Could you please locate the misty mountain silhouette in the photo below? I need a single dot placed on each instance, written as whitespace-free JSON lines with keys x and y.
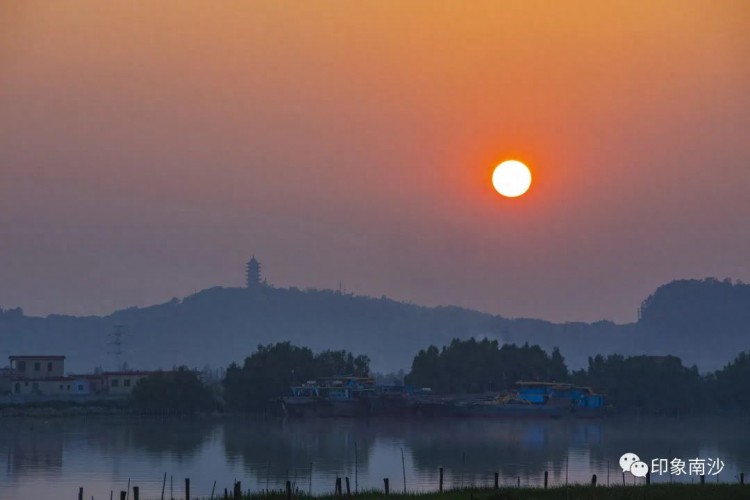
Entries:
{"x":705,"y":322}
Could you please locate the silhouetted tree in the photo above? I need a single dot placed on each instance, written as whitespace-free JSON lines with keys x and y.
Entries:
{"x":731,"y":385}
{"x":268,"y":373}
{"x":179,"y":391}
{"x":646,"y":384}
{"x":471,"y":366}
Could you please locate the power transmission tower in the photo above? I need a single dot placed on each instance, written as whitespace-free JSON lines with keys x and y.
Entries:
{"x":117,"y":342}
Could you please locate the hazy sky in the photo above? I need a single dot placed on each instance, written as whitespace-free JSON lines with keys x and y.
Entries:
{"x":149,"y":148}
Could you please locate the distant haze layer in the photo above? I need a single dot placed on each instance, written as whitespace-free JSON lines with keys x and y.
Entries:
{"x":148,"y":149}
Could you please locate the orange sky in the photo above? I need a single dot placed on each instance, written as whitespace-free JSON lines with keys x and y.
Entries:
{"x":148,"y":148}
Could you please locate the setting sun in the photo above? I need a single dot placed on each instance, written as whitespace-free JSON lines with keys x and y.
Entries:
{"x":511,"y":178}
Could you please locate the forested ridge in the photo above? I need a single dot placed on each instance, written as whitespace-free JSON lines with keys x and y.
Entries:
{"x":704,"y":322}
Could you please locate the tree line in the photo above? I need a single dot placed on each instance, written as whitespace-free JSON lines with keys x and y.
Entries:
{"x":633,"y":384}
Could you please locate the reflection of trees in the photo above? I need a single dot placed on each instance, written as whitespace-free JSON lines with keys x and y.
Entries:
{"x":278,"y":450}
{"x":472,"y":449}
{"x":649,"y":438}
{"x":669,"y":438}
{"x":32,"y":445}
{"x":113,"y":436}
{"x":179,"y":437}
{"x":38,"y":444}
{"x":732,"y":441}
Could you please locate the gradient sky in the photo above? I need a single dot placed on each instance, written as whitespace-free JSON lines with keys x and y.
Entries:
{"x":149,"y":148}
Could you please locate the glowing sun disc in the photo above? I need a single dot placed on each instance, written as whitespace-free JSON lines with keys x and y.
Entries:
{"x":511,"y":178}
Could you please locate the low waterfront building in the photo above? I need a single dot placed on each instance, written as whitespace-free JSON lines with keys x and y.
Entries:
{"x":87,"y":384}
{"x":38,"y":375}
{"x":52,"y":386}
{"x":5,"y":380}
{"x":122,"y":383}
{"x":37,"y":367}
{"x":44,"y":376}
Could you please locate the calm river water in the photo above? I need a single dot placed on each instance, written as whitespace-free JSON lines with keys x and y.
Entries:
{"x":51,"y":458}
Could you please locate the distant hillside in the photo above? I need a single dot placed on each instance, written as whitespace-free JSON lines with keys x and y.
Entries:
{"x":706,"y":319}
{"x":705,"y":322}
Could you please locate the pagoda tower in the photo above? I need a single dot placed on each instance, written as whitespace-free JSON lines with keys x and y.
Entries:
{"x":252,"y":273}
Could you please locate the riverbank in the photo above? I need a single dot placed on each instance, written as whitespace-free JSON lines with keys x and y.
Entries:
{"x":573,"y":492}
{"x":48,"y":409}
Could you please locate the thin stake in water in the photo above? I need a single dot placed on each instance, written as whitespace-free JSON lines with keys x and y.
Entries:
{"x":356,"y":481}
{"x":403,"y":468}
{"x":607,"y":472}
{"x":463,"y":465}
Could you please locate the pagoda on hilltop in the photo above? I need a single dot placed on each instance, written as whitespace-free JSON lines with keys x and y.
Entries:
{"x":252,"y":273}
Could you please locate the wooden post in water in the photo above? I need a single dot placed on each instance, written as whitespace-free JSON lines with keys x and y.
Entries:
{"x":337,"y":487}
{"x":226,"y":494}
{"x":385,"y":485}
{"x":497,"y":480}
{"x":742,"y":479}
{"x":356,"y":470}
{"x":607,"y":472}
{"x":123,"y":494}
{"x":163,"y":484}
{"x":648,"y":477}
{"x":238,"y":490}
{"x":703,"y":479}
{"x":80,"y":493}
{"x":519,"y":481}
{"x":348,"y":489}
{"x":463,"y":466}
{"x":187,"y":488}
{"x":440,"y":488}
{"x":403,"y":468}
{"x":623,"y":479}
{"x":288,"y":490}
{"x":136,"y":493}
{"x":546,"y":477}
{"x":593,"y":480}
{"x":212,"y":490}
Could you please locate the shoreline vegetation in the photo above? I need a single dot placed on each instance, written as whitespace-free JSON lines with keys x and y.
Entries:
{"x":570,"y":492}
{"x":674,"y":491}
{"x":635,"y":385}
{"x":124,"y":408}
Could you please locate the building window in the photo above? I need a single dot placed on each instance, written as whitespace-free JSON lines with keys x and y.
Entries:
{"x":49,"y":366}
{"x":126,"y":382}
{"x":22,"y":366}
{"x":37,"y":367}
{"x":115,"y":382}
{"x":80,"y":387}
